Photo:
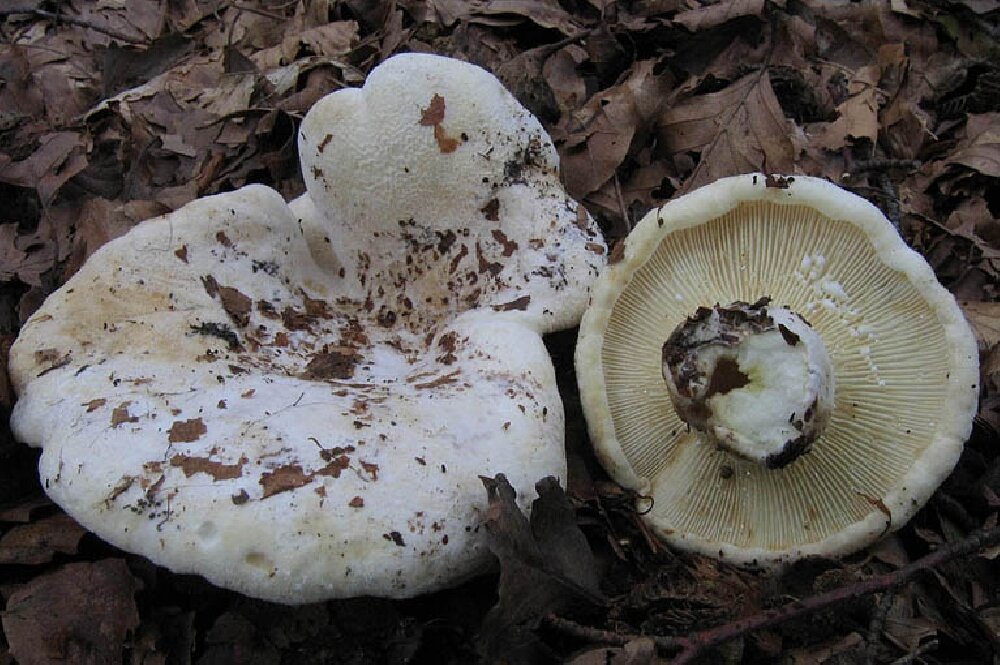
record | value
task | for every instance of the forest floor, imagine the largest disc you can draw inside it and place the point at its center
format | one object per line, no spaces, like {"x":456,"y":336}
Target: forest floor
{"x":113,"y":112}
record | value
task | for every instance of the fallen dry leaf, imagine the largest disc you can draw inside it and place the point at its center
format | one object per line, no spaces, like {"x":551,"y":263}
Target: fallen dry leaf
{"x":545,"y":566}
{"x":715,"y":14}
{"x":60,"y":156}
{"x":980,"y":149}
{"x":544,"y":13}
{"x":858,"y":114}
{"x":985,"y":320}
{"x":563,"y":77}
{"x":739,"y":129}
{"x":79,"y":613}
{"x":594,"y":141}
{"x":38,"y":542}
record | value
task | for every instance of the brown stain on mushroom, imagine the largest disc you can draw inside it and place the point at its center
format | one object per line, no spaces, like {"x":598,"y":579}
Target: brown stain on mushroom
{"x":617,"y":252}
{"x":518,"y":304}
{"x":120,"y":415}
{"x":451,"y":377}
{"x":445,"y":143}
{"x":292,"y":476}
{"x":791,"y":339}
{"x":186,"y":431}
{"x":284,"y":478}
{"x":486,"y":266}
{"x":434,"y":113}
{"x":211,"y":286}
{"x":509,"y":246}
{"x":46,"y":356}
{"x":95,"y":404}
{"x":448,"y":343}
{"x":191,"y":465}
{"x":433,"y":116}
{"x":395,"y":537}
{"x":726,"y":377}
{"x":491,"y":211}
{"x":879,"y":504}
{"x":334,"y":467}
{"x":778,"y":181}
{"x":331,"y":363}
{"x":236,"y":304}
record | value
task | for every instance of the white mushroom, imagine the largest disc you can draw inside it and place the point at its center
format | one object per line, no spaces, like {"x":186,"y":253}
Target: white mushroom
{"x":297,"y":401}
{"x":775,"y":370}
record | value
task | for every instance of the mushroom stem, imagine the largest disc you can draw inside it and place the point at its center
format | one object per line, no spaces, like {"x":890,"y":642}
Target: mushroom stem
{"x":755,"y":380}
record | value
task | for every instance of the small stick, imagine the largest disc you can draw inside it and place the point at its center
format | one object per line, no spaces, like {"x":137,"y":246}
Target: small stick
{"x":876,"y":625}
{"x":693,"y":646}
{"x":885,"y":165}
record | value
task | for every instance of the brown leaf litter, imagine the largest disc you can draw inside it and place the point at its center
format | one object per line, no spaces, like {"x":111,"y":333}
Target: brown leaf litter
{"x":112,"y":113}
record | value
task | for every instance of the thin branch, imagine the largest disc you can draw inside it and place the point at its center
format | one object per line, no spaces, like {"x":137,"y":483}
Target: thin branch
{"x":695,"y":645}
{"x":599,"y":636}
{"x":876,"y":626}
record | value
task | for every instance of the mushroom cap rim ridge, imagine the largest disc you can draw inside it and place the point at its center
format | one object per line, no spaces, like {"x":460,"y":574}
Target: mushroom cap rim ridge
{"x":715,"y":200}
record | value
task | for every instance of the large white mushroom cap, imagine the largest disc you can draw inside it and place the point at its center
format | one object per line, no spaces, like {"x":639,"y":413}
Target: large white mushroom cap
{"x":903,"y":370}
{"x":297,"y":401}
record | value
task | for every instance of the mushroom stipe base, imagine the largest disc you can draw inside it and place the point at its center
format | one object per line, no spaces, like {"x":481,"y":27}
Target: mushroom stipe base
{"x":753,"y":379}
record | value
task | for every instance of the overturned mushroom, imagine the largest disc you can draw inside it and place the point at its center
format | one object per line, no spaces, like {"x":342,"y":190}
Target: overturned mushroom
{"x":297,"y":401}
{"x":775,"y":370}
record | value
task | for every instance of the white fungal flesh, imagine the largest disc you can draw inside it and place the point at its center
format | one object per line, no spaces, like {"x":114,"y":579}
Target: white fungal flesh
{"x":783,"y":390}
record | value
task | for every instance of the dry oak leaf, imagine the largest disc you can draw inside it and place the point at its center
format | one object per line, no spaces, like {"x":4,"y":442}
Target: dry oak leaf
{"x":38,"y":542}
{"x":545,"y":566}
{"x":59,"y":157}
{"x":563,"y":78}
{"x":980,"y":150}
{"x":81,"y":613}
{"x":739,"y":129}
{"x":544,"y":13}
{"x":858,"y":114}
{"x":985,"y":320}
{"x":596,"y":139}
{"x":713,"y":15}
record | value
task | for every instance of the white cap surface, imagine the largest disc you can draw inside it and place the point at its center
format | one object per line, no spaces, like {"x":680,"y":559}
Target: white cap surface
{"x":904,"y":361}
{"x":289,"y":400}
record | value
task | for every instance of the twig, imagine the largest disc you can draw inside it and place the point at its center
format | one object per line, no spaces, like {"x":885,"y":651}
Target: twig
{"x":693,"y":646}
{"x":891,"y":206}
{"x":920,"y":651}
{"x":865,"y":165}
{"x":597,"y":635}
{"x":876,"y":625}
{"x":72,"y":20}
